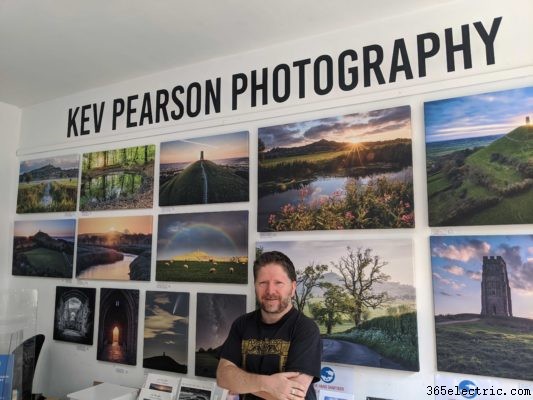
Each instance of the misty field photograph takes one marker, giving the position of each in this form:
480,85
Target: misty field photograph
44,248
205,170
361,295
48,185
203,247
166,331
483,290
347,172
479,159
214,315
118,179
114,248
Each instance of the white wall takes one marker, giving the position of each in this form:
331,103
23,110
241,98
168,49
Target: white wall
65,367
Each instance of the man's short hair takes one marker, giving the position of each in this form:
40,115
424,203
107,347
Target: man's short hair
275,257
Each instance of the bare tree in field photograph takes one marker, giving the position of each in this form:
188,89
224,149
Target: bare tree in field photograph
479,159
346,172
361,294
205,170
118,179
482,288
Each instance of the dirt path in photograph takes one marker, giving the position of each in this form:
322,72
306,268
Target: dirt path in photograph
457,322
204,177
341,351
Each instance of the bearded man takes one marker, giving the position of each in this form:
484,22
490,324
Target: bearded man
275,351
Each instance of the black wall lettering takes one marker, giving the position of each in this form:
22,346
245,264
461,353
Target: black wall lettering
280,98
323,59
98,117
300,65
194,87
352,71
161,105
399,51
84,119
239,83
130,111
118,110
423,53
256,86
463,46
177,115
72,127
369,66
488,38
212,96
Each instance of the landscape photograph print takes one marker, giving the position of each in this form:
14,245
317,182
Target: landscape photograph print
205,170
117,326
215,314
361,295
118,179
483,290
207,247
166,331
479,159
114,248
48,185
346,172
74,314
44,248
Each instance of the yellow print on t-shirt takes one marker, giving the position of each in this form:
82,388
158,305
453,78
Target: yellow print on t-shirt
263,347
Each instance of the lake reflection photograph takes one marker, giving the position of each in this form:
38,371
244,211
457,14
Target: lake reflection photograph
118,179
114,248
346,172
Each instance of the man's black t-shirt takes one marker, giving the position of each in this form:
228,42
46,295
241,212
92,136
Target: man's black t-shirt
290,345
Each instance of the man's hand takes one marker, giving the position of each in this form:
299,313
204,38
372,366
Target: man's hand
283,386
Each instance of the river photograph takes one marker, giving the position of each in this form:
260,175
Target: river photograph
116,248
346,172
48,185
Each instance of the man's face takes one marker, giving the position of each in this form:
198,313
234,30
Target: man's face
274,290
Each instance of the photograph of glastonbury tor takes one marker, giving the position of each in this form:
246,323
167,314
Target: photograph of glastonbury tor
117,248
347,172
361,295
166,331
204,170
482,288
118,179
203,247
214,315
44,248
479,152
117,326
74,314
48,185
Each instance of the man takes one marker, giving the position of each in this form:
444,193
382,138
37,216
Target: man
273,352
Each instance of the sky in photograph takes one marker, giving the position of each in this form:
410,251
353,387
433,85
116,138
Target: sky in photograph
487,114
377,125
218,147
137,224
166,325
397,253
223,234
63,162
55,228
214,315
457,263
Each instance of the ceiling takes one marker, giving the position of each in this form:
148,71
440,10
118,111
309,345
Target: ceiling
52,48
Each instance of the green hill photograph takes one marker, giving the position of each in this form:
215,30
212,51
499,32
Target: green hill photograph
482,288
205,170
479,152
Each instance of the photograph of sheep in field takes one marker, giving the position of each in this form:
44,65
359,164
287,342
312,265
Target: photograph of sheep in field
205,170
203,247
361,294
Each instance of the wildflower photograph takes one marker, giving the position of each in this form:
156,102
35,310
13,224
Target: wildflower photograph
482,288
205,170
347,172
479,159
361,294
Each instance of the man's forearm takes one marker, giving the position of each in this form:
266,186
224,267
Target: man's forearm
236,380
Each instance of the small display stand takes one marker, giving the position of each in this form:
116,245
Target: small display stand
105,391
18,316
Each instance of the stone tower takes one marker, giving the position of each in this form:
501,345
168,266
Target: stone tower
527,120
201,155
495,290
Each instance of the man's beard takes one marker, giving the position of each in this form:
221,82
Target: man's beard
283,303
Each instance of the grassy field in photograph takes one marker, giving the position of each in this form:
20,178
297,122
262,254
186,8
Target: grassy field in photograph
201,271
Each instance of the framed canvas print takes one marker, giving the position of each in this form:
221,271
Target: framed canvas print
48,185
214,315
114,248
117,326
74,314
347,172
118,179
479,159
205,170
203,247
166,331
44,248
482,288
361,295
